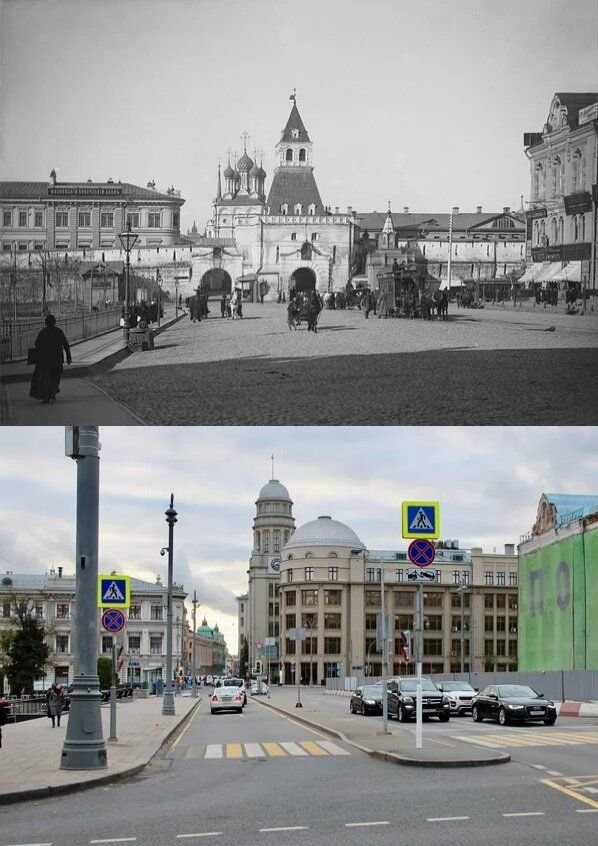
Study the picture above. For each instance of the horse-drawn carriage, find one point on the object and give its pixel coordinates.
(304, 308)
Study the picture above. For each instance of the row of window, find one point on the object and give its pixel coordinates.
(402, 599)
(558, 176)
(374, 574)
(262, 540)
(274, 508)
(556, 230)
(432, 646)
(154, 219)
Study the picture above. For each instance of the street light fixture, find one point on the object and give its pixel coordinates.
(128, 239)
(168, 700)
(462, 589)
(193, 667)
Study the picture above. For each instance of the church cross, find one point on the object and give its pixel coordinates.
(244, 136)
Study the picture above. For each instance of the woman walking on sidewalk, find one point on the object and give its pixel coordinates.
(50, 345)
(56, 703)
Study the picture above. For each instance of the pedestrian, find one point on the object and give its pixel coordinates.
(51, 346)
(369, 303)
(56, 703)
(3, 716)
(223, 305)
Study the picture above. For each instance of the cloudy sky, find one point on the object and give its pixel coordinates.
(488, 482)
(421, 104)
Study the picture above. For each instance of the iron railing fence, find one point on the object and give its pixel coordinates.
(16, 336)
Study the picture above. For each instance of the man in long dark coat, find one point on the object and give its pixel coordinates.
(51, 346)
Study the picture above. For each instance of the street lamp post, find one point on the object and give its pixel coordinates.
(128, 240)
(168, 700)
(461, 590)
(193, 667)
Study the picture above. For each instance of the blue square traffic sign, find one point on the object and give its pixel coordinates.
(421, 519)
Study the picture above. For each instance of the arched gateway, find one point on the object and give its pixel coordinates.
(303, 279)
(217, 282)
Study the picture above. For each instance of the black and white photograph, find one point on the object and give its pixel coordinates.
(266, 213)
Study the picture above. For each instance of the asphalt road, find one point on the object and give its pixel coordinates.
(496, 367)
(215, 785)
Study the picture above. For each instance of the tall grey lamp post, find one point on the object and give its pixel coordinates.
(462, 589)
(193, 667)
(168, 700)
(128, 240)
(84, 747)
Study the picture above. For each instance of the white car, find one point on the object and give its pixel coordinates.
(256, 689)
(226, 699)
(239, 684)
(460, 694)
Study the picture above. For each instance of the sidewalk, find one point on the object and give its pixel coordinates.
(31, 750)
(79, 400)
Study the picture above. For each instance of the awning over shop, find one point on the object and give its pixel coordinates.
(548, 271)
(455, 283)
(571, 272)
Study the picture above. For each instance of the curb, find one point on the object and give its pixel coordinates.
(392, 757)
(106, 777)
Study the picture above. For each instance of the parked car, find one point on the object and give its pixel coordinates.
(256, 689)
(513, 703)
(226, 698)
(239, 684)
(402, 700)
(366, 700)
(460, 694)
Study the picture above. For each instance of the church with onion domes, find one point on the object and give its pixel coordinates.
(267, 241)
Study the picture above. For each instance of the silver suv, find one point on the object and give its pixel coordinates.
(460, 694)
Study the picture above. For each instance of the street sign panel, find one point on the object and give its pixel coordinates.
(421, 519)
(113, 620)
(421, 552)
(421, 576)
(114, 591)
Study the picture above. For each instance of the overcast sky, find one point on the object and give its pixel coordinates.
(421, 104)
(488, 482)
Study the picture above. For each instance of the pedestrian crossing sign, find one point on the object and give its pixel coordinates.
(114, 591)
(421, 519)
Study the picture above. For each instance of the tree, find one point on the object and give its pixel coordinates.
(27, 652)
(105, 672)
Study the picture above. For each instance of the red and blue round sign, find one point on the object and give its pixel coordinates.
(421, 552)
(113, 620)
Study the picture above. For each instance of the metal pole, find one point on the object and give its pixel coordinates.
(462, 591)
(384, 662)
(450, 255)
(420, 658)
(168, 700)
(194, 687)
(84, 747)
(113, 736)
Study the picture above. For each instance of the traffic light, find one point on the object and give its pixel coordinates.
(258, 667)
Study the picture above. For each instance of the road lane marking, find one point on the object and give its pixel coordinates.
(313, 748)
(254, 750)
(201, 834)
(445, 819)
(285, 828)
(525, 814)
(115, 840)
(586, 811)
(213, 750)
(31, 844)
(332, 748)
(569, 792)
(185, 730)
(591, 789)
(274, 749)
(377, 822)
(554, 773)
(293, 749)
(234, 750)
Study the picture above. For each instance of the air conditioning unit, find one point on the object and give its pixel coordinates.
(455, 629)
(513, 629)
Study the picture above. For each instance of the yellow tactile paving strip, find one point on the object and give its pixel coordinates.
(533, 738)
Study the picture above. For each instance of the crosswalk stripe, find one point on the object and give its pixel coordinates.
(293, 749)
(234, 750)
(313, 748)
(214, 750)
(274, 750)
(254, 750)
(332, 748)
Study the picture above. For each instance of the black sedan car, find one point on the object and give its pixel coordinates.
(512, 703)
(366, 700)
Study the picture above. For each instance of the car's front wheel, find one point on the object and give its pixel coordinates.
(401, 715)
(502, 717)
(550, 721)
(476, 715)
(444, 718)
(352, 708)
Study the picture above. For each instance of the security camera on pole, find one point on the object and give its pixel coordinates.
(421, 521)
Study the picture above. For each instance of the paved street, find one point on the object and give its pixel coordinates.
(493, 366)
(276, 775)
